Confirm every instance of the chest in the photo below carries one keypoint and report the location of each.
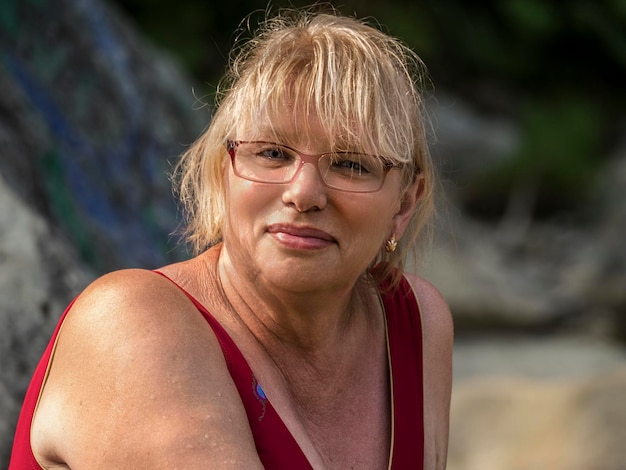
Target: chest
(339, 418)
(351, 429)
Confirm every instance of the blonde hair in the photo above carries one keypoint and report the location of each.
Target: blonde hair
(363, 86)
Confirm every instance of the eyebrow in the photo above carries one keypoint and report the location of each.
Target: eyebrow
(289, 135)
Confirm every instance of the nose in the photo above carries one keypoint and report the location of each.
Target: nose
(306, 191)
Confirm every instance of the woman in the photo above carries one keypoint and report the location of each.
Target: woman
(293, 340)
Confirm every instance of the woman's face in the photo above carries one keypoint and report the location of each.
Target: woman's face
(303, 236)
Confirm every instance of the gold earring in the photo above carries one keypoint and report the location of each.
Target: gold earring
(391, 244)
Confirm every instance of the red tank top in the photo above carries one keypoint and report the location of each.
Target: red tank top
(275, 445)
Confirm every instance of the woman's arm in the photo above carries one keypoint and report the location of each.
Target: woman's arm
(138, 380)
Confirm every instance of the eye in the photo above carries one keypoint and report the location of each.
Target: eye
(355, 164)
(274, 153)
(269, 155)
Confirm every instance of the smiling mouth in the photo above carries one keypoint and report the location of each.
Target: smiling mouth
(301, 237)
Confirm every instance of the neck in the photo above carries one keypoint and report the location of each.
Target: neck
(311, 322)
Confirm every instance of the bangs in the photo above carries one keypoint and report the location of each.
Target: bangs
(359, 94)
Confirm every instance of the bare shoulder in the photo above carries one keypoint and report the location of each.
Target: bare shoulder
(436, 315)
(131, 298)
(138, 380)
(438, 330)
(125, 295)
(129, 311)
(438, 334)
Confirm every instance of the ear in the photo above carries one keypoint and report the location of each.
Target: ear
(408, 204)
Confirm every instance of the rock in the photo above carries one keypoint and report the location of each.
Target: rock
(524, 424)
(90, 118)
(39, 276)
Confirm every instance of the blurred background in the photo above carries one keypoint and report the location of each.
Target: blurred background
(527, 103)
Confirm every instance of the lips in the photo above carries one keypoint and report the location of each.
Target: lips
(300, 236)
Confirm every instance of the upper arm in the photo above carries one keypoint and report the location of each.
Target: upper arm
(438, 335)
(138, 380)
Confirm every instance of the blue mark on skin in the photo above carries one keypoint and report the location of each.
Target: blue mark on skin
(259, 393)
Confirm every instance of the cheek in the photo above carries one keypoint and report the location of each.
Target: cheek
(236, 204)
(372, 223)
(247, 205)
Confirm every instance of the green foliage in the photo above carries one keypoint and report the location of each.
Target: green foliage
(8, 17)
(560, 142)
(535, 18)
(556, 161)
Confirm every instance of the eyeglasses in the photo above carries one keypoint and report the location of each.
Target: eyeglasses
(268, 162)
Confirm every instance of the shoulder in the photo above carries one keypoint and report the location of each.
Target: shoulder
(435, 312)
(135, 356)
(437, 329)
(129, 286)
(127, 327)
(139, 327)
(133, 306)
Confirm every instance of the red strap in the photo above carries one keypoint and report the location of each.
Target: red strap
(22, 457)
(405, 345)
(275, 445)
